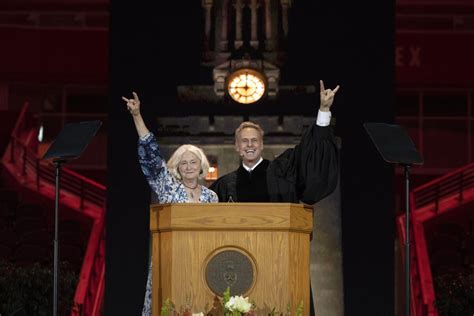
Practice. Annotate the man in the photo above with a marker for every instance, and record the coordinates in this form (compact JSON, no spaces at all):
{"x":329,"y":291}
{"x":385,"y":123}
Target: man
{"x":306,"y":173}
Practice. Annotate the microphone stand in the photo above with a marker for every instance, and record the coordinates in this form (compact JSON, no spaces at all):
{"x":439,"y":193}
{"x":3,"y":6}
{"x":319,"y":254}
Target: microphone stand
{"x":407,"y":239}
{"x":57,"y":165}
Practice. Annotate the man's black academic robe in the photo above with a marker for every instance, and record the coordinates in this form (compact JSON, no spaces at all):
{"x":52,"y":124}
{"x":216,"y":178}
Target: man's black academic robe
{"x":308,"y":173}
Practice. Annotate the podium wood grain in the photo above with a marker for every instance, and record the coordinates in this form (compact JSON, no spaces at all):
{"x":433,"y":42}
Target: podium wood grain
{"x":276,"y":236}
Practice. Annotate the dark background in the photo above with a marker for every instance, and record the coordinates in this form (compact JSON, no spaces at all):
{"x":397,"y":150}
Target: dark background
{"x":154,"y":47}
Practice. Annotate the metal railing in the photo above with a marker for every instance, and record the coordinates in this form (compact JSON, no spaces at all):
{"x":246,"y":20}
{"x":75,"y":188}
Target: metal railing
{"x":90,"y":289}
{"x":451,"y":185}
{"x":428,"y":197}
{"x":22,"y":155}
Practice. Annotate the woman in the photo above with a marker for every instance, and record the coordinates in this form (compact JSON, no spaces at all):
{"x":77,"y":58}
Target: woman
{"x":175,"y":182}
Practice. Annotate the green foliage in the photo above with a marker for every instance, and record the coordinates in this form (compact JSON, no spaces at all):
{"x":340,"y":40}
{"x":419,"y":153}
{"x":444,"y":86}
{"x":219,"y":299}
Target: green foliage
{"x":226,"y":295}
{"x":31,"y":287}
{"x":454,"y":294}
{"x":299,"y":309}
{"x":225,"y":299}
{"x":167,"y":307}
{"x":254,"y":305}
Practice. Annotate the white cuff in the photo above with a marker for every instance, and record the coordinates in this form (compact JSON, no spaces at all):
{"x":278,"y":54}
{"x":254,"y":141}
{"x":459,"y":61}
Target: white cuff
{"x":324,"y":118}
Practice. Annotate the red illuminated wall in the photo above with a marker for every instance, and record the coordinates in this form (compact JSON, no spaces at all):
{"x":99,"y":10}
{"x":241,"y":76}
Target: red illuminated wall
{"x":52,"y":55}
{"x":435,"y":59}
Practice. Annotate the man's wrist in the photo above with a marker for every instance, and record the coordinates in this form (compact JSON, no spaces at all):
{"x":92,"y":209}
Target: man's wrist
{"x":324,"y":118}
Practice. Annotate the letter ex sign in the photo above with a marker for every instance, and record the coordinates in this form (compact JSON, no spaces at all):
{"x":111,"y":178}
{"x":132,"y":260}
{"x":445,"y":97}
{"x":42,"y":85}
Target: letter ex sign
{"x":434,"y":58}
{"x":408,"y":56}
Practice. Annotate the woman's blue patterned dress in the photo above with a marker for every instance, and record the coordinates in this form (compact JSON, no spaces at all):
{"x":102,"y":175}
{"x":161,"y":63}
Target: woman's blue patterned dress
{"x":167,"y":188}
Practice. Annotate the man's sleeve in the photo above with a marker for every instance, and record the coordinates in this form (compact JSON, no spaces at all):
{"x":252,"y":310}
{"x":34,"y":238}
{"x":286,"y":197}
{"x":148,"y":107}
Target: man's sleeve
{"x":225,"y":188}
{"x":313,"y":164}
{"x":216,"y":186}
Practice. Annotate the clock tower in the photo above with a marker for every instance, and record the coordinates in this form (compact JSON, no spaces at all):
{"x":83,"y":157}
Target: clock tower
{"x":247,"y":73}
{"x":244,"y":44}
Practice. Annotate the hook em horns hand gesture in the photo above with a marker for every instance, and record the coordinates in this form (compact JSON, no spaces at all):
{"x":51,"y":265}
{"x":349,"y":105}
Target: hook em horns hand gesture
{"x":133,"y":105}
{"x":326,"y":96}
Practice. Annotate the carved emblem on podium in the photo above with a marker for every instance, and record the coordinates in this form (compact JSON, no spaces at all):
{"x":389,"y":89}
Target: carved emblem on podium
{"x":230,"y":267}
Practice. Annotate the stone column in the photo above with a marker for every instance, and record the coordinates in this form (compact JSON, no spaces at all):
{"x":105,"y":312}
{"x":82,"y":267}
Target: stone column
{"x":254,"y":24}
{"x":207,"y":5}
{"x":326,"y":257}
{"x":238,"y":24}
{"x":224,"y":41}
{"x":285,"y":4}
{"x":269,"y":42}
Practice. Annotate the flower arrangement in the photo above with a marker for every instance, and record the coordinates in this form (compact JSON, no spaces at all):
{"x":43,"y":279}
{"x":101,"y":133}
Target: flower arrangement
{"x":299,"y":311}
{"x":167,"y":308}
{"x":236,"y":305}
{"x":229,"y":306}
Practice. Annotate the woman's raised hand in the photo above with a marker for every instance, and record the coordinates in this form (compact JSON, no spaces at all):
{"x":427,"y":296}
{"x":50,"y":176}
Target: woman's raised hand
{"x":133,"y":105}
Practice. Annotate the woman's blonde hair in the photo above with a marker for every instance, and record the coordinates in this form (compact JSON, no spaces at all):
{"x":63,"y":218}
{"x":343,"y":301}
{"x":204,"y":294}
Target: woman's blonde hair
{"x":176,"y":157}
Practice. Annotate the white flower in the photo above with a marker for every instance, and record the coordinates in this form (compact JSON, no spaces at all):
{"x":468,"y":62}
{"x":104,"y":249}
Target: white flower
{"x":238,"y":304}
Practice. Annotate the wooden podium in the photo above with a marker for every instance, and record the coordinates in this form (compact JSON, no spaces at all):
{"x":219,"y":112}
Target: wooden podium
{"x":190,"y":240}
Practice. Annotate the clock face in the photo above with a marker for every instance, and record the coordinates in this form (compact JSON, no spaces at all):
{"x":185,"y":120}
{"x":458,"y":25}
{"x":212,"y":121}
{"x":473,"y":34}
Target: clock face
{"x":246,"y":86}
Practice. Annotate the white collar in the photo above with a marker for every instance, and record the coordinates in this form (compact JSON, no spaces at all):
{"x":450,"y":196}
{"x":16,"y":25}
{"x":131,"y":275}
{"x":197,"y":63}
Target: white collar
{"x":254,"y":166}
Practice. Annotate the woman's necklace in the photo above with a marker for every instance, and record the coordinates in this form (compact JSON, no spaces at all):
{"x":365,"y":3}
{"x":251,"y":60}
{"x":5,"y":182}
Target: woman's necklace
{"x":191,"y":189}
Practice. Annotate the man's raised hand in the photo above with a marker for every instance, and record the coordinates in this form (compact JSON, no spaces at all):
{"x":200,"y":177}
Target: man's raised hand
{"x":326,"y":97}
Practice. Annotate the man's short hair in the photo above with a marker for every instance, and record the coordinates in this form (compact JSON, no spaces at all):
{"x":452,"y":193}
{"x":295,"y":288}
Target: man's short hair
{"x":248,"y":124}
{"x":176,"y":157}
